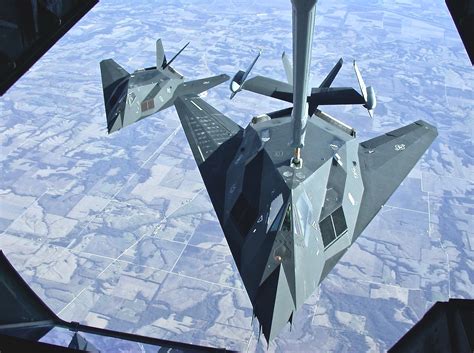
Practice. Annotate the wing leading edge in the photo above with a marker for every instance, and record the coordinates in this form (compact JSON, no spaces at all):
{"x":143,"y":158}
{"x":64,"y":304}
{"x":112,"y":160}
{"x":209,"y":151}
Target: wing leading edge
{"x":205,"y":127}
{"x":214,"y":140}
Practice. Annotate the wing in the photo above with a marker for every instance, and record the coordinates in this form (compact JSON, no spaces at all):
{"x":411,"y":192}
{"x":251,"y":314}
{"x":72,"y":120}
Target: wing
{"x":319,"y":96}
{"x":206,"y":128}
{"x":214,"y":140}
{"x":385,"y":161}
{"x":337,"y":95}
{"x":269,"y":87}
{"x":114,"y":85}
{"x":192,"y":88}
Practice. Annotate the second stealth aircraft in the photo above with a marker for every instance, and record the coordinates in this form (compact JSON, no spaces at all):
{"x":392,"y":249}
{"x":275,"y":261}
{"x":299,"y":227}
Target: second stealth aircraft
{"x":129,"y":98}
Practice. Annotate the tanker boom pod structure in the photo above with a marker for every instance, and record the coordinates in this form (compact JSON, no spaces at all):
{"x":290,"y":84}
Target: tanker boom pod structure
{"x":290,"y":208}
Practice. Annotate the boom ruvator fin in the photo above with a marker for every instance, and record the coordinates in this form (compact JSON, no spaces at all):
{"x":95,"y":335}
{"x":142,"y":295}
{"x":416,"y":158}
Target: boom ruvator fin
{"x":239,"y":78}
{"x":322,"y":95}
{"x":368,"y":93}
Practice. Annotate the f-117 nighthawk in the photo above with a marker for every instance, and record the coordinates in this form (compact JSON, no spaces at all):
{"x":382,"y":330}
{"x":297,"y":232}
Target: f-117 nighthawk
{"x":292,"y":190}
{"x":132,"y":97}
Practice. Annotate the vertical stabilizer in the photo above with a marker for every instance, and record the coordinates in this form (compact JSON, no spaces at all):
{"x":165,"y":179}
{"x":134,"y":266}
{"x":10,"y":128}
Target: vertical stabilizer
{"x":114,"y":85}
{"x":288,"y":68}
{"x":160,"y":54}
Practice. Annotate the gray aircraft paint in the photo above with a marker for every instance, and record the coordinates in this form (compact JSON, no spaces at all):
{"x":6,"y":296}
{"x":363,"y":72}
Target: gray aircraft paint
{"x":331,"y":198}
{"x":286,"y":226}
{"x":132,"y":97}
{"x":304,"y":12}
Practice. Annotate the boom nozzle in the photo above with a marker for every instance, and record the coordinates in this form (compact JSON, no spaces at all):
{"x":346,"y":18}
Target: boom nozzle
{"x":297,"y":161}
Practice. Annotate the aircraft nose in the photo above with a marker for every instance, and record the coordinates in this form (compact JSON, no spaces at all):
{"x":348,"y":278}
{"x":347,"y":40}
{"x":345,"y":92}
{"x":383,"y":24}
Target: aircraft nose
{"x":274,"y":305}
{"x":286,"y":282}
